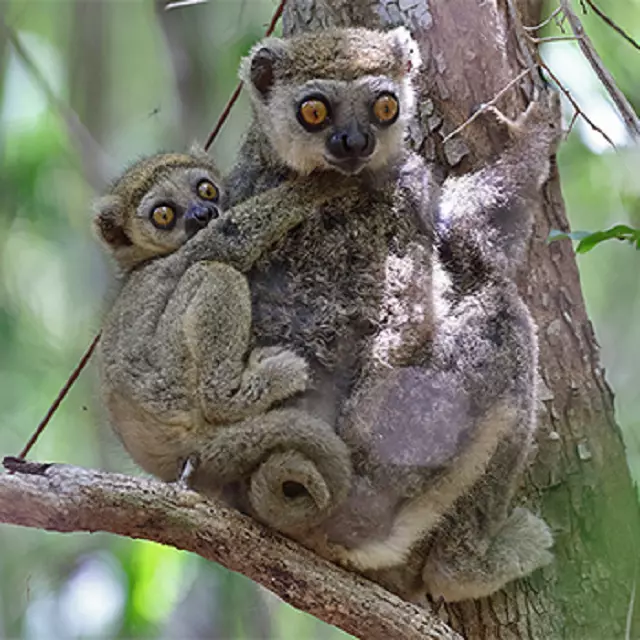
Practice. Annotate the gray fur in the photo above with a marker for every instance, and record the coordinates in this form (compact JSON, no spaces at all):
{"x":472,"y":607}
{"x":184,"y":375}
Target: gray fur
{"x":179,"y":376}
{"x":424,"y":363}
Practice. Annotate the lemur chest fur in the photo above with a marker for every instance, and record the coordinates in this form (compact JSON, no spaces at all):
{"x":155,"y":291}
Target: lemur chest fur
{"x":327,"y":288}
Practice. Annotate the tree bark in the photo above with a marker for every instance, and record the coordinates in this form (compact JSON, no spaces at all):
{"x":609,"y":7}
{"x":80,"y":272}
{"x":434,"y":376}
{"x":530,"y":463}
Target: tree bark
{"x":580,"y":480}
{"x":65,"y":498}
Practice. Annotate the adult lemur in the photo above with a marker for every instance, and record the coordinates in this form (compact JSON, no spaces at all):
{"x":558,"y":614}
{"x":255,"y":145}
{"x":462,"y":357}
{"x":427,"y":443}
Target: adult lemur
{"x":431,"y":385}
{"x":179,"y":377}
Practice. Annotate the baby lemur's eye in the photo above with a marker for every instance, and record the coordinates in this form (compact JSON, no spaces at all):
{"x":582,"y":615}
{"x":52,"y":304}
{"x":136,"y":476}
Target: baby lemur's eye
{"x":163,"y":217}
{"x":386,"y":109}
{"x":313,"y":113}
{"x":207,"y":190}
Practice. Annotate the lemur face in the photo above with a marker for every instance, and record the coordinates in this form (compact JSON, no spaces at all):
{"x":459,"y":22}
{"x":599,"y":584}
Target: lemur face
{"x":157,"y":205}
{"x":174,"y":209}
{"x":334,"y":102}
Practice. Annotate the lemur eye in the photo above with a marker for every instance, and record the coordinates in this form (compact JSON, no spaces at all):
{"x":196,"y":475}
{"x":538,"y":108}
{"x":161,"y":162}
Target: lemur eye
{"x":163,"y":217}
{"x":207,"y":190}
{"x":313,"y":113}
{"x":386,"y":109}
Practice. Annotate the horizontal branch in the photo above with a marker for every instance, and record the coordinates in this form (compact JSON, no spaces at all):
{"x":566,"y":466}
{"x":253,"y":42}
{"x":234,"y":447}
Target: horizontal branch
{"x":66,"y":499}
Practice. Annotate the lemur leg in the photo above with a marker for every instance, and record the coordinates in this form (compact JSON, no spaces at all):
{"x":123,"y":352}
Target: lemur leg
{"x":463,"y":565}
{"x":298,"y":468}
{"x":233,"y":383}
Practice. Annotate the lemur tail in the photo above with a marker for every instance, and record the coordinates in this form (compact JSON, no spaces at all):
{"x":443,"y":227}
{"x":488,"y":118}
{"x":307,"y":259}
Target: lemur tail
{"x":298,"y":469}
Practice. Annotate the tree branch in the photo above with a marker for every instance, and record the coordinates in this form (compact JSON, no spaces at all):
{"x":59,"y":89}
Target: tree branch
{"x":66,"y":499}
{"x":627,"y":112}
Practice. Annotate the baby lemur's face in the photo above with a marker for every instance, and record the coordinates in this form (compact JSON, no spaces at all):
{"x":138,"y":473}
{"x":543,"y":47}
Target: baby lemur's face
{"x":337,"y":100}
{"x":175,"y":208}
{"x":157,"y":205}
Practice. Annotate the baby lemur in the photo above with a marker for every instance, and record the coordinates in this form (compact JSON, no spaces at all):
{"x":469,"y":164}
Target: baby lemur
{"x":431,"y":385}
{"x":178,"y":375}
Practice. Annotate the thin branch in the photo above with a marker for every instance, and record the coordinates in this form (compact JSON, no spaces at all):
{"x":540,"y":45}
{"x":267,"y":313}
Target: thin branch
{"x":624,"y":106}
{"x":545,"y":22}
{"x":629,"y":622}
{"x":574,"y":117}
{"x":553,"y":39}
{"x":573,"y":102}
{"x":94,"y":160}
{"x":601,"y":14}
{"x":61,"y":396}
{"x":66,"y":499}
{"x":179,"y":4}
{"x":236,"y":93}
{"x":483,"y":107}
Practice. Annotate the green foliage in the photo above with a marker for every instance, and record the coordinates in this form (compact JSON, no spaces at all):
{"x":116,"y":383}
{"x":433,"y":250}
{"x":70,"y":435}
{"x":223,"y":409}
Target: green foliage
{"x":588,"y":240}
{"x":118,"y":75}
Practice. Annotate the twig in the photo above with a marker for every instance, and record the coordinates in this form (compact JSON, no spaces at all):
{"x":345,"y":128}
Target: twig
{"x":624,"y":106}
{"x":94,"y":160}
{"x":483,"y":107}
{"x":574,"y":117}
{"x":545,"y":22}
{"x":67,"y":499}
{"x":553,"y":39}
{"x":601,"y":14}
{"x":223,"y":116}
{"x":236,"y":93}
{"x":632,"y":602}
{"x":60,"y":397}
{"x":179,"y":4}
{"x":571,"y":99}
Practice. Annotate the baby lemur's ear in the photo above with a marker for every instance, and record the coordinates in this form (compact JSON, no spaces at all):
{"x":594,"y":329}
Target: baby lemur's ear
{"x":258,"y":68}
{"x":108,"y":222}
{"x":406,"y":48}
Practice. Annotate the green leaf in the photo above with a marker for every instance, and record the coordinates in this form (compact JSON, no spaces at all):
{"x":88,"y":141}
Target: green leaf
{"x":588,"y":240}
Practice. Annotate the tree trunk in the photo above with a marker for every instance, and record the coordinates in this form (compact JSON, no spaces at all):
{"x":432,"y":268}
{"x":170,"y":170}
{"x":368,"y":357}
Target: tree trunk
{"x":580,"y":480}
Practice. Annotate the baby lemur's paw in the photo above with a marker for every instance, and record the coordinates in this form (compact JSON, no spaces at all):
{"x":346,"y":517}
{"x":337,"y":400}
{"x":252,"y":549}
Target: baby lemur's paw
{"x":520,"y":547}
{"x":284,"y":372}
{"x":535,"y":133}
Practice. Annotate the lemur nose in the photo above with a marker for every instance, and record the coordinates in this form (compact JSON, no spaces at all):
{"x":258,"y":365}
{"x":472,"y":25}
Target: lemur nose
{"x":350,"y":143}
{"x":198,"y":216}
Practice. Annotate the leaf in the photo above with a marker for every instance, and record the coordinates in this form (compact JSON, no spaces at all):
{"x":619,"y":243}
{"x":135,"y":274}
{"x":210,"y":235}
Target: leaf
{"x":588,"y":240}
{"x":619,"y":232}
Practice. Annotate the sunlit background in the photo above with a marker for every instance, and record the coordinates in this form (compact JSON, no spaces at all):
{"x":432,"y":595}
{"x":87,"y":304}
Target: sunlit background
{"x":96,"y":84}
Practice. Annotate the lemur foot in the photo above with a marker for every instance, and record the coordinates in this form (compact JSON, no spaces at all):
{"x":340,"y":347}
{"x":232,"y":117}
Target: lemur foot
{"x":521,"y":546}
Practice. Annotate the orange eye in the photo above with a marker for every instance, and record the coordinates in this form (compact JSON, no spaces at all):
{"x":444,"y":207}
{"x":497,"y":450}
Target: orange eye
{"x":386,"y":109}
{"x":163,"y":217}
{"x":313,"y":113}
{"x":207,"y":190}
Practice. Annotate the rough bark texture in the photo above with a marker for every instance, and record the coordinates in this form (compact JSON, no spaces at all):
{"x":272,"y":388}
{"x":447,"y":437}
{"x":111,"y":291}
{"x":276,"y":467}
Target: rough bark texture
{"x":64,"y":498}
{"x":580,"y":480}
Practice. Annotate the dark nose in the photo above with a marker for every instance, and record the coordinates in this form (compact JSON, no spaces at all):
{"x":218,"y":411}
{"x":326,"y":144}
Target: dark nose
{"x":351,"y":142}
{"x":197,"y":217}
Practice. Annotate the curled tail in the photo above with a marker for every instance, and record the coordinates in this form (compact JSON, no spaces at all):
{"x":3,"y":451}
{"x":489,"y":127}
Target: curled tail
{"x":298,"y":469}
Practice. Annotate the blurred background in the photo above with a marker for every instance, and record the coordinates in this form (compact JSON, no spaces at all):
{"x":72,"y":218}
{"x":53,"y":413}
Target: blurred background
{"x":89,"y":86}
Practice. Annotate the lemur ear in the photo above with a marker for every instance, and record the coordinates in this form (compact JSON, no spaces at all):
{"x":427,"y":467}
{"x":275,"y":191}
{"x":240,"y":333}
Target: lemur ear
{"x":407,"y":50}
{"x":259,"y":67}
{"x":108,"y":223}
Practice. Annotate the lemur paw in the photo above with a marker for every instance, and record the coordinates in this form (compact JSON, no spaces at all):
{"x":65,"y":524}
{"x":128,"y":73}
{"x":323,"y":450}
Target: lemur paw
{"x":526,"y":540}
{"x":462,"y":573}
{"x":538,"y":126}
{"x":285,"y":372}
